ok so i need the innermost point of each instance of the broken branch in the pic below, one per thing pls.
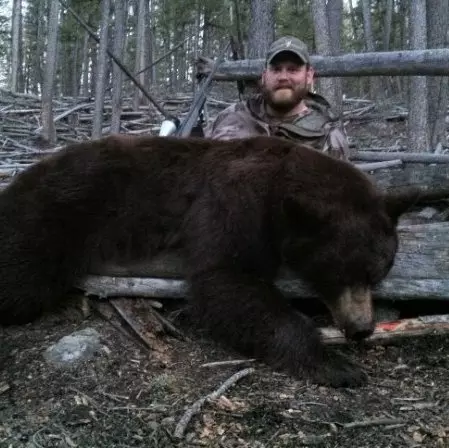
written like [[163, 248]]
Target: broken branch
[[196, 407]]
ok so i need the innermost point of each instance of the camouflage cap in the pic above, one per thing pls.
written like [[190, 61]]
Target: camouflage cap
[[291, 44]]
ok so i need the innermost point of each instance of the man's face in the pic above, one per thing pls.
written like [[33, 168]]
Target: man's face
[[286, 81]]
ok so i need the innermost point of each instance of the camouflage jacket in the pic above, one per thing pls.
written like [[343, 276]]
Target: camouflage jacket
[[317, 126]]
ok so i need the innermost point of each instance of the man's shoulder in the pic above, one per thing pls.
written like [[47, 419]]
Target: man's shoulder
[[235, 121], [319, 106], [239, 106]]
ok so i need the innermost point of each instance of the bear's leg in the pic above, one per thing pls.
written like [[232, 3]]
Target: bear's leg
[[37, 268], [251, 315]]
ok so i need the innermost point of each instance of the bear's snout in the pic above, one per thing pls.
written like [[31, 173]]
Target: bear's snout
[[353, 313], [359, 332]]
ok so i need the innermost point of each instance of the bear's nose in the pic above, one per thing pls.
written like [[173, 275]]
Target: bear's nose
[[357, 333]]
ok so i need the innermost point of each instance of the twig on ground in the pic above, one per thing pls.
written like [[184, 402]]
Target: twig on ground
[[372, 422], [114, 397], [36, 435], [135, 408], [169, 327], [196, 407], [4, 387], [89, 399], [315, 439], [232, 362]]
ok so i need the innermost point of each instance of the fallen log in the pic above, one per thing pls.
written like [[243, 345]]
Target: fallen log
[[410, 157], [151, 287], [421, 270], [378, 165], [430, 62], [422, 175]]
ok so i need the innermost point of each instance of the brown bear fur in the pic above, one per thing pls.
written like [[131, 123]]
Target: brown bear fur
[[239, 209]]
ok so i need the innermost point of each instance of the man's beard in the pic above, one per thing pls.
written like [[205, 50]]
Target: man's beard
[[284, 99]]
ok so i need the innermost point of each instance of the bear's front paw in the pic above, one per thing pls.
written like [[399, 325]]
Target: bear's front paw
[[338, 371]]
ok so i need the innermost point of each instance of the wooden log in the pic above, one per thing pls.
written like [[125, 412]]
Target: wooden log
[[410, 157], [388, 331], [411, 175], [162, 288], [421, 270], [431, 62], [378, 165]]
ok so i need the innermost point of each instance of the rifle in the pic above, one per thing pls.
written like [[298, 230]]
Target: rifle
[[195, 113]]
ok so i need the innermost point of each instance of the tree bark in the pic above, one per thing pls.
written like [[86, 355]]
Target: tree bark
[[387, 24], [324, 48], [261, 28], [418, 105], [117, 74], [101, 70], [335, 17], [48, 132], [85, 65], [392, 63], [141, 45], [437, 37], [15, 45], [375, 88]]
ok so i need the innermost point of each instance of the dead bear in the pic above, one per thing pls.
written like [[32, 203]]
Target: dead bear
[[239, 209]]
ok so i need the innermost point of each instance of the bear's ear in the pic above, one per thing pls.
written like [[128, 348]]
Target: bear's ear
[[398, 203], [303, 214]]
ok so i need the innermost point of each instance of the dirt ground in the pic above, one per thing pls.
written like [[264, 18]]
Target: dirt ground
[[126, 396]]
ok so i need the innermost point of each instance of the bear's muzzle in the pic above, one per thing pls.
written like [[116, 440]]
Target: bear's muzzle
[[353, 313]]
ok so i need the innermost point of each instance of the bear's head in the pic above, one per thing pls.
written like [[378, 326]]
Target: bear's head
[[343, 250]]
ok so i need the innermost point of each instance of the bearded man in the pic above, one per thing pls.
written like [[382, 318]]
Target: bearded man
[[286, 106]]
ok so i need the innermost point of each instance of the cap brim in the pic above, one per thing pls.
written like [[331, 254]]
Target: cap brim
[[283, 50]]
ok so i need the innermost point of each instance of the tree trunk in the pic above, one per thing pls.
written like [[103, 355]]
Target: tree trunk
[[261, 28], [93, 51], [388, 18], [393, 63], [101, 71], [141, 45], [149, 55], [117, 74], [48, 132], [403, 39], [360, 81], [85, 65], [418, 109], [38, 34], [387, 24], [437, 37], [334, 16], [323, 45], [375, 89], [238, 30], [16, 44]]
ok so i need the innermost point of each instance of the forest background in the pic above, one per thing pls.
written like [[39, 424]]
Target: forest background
[[45, 51]]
